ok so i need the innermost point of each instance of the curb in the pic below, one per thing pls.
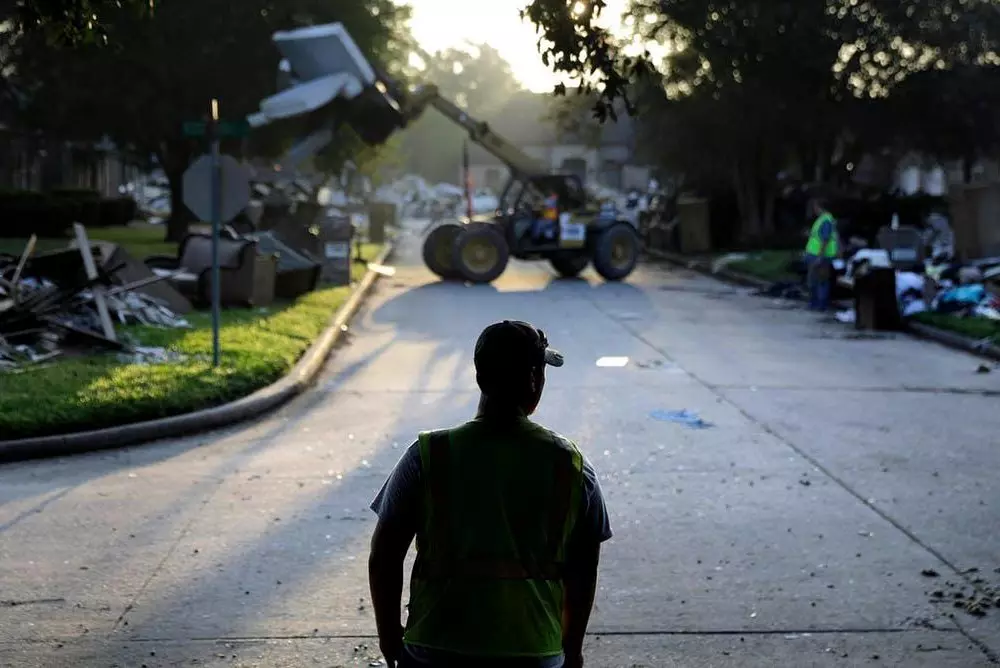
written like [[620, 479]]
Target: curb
[[705, 268], [983, 349], [918, 330], [263, 400]]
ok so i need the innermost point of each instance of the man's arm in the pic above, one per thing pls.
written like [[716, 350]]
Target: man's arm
[[397, 508], [580, 583], [580, 587], [390, 542]]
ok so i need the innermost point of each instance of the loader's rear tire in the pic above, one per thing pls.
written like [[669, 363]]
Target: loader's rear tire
[[616, 252], [569, 265], [439, 247], [480, 254]]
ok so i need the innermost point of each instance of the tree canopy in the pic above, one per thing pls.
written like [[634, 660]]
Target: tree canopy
[[153, 72], [75, 22], [748, 88]]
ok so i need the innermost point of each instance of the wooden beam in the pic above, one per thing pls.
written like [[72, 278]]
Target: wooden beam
[[98, 290]]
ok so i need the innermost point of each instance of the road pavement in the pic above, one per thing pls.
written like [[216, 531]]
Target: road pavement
[[827, 514]]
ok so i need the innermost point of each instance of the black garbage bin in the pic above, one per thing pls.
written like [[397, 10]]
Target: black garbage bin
[[335, 235], [380, 216], [875, 304]]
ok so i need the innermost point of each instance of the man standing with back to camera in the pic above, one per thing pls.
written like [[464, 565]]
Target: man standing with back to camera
[[509, 519]]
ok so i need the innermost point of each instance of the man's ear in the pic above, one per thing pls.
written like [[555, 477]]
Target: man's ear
[[537, 377]]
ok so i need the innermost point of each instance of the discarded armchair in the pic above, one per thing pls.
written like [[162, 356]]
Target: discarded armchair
[[246, 278]]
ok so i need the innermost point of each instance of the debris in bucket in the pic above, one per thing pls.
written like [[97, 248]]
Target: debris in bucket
[[683, 417], [66, 302]]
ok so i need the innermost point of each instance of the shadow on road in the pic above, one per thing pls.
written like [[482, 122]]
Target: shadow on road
[[423, 312]]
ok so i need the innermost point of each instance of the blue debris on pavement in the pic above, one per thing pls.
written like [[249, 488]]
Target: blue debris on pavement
[[684, 417]]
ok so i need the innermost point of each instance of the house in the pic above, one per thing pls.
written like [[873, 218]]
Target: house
[[31, 161], [599, 154]]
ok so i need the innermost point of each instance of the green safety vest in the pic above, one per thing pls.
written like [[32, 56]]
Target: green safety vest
[[815, 243], [491, 548]]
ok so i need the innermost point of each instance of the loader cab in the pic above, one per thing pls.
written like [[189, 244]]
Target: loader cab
[[523, 194]]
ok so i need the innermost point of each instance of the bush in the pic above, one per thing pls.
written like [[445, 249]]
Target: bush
[[118, 211], [49, 215], [75, 193], [25, 213]]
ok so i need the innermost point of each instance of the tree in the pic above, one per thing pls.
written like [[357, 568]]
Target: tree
[[950, 114], [750, 87], [476, 78], [70, 23], [157, 72]]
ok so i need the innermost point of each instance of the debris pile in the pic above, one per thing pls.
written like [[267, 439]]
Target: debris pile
[[940, 285], [65, 302]]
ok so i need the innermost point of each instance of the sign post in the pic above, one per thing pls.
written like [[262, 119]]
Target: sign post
[[213, 137], [227, 194]]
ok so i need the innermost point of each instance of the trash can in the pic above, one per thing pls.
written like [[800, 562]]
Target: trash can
[[875, 305], [695, 234], [380, 216], [335, 234]]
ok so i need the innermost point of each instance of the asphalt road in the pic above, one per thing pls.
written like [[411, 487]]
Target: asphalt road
[[791, 531]]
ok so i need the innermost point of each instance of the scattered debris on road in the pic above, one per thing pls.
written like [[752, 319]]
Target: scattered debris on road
[[684, 417], [974, 596]]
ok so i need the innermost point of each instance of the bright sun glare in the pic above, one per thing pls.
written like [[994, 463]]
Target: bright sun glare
[[443, 24]]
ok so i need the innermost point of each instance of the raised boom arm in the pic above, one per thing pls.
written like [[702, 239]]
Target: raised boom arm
[[516, 160]]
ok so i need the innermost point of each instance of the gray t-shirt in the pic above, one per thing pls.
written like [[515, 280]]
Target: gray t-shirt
[[401, 498]]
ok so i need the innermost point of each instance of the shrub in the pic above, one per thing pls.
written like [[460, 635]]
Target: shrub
[[118, 211], [49, 215], [25, 213]]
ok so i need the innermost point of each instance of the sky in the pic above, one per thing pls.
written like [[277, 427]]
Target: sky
[[440, 24]]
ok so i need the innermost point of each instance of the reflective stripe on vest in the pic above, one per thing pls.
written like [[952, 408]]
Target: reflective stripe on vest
[[815, 243], [493, 588]]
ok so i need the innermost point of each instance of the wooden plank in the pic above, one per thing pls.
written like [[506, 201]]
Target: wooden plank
[[16, 280], [91, 268]]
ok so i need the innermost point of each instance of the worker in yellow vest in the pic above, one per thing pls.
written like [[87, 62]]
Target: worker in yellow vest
[[508, 518], [821, 249], [544, 227]]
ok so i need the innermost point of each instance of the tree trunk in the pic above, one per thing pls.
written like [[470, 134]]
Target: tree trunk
[[746, 185], [967, 164], [770, 195], [174, 161], [809, 161]]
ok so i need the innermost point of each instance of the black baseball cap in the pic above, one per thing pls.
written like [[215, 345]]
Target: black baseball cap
[[513, 345]]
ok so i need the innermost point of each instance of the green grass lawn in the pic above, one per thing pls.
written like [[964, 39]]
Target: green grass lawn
[[258, 347], [974, 328], [770, 265], [140, 240]]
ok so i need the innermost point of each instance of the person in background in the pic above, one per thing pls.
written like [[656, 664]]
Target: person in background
[[544, 227], [509, 521], [821, 249]]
